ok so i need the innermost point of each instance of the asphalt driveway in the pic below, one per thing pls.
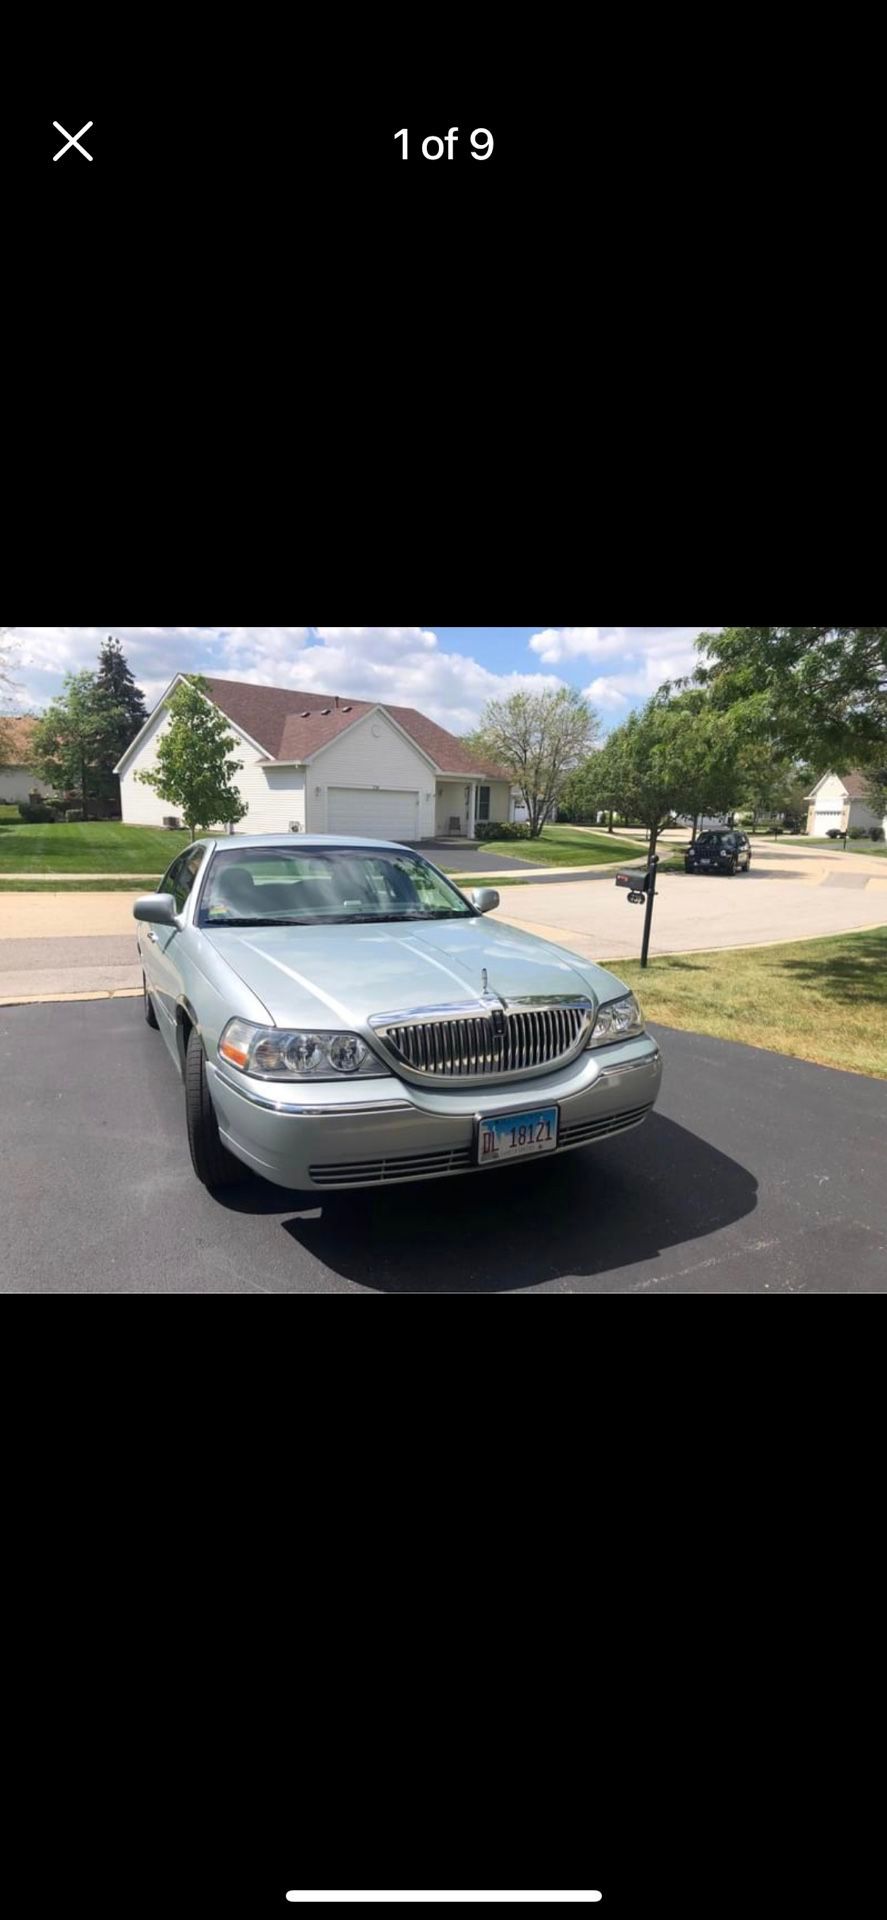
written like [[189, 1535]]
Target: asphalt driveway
[[755, 1174]]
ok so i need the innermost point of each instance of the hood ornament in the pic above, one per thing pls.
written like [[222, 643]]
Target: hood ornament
[[494, 1004]]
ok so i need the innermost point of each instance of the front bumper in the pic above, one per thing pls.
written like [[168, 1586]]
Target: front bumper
[[382, 1131]]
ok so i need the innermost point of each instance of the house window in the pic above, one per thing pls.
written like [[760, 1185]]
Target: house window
[[483, 803]]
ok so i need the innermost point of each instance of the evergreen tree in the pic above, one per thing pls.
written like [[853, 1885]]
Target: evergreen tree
[[117, 693]]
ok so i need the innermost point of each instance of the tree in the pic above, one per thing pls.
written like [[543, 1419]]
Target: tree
[[584, 792], [813, 693], [74, 740], [194, 770], [7, 688], [645, 767], [539, 738], [116, 688], [876, 792], [709, 745]]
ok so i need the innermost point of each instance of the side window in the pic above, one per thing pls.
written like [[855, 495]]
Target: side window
[[170, 881], [180, 877], [189, 867]]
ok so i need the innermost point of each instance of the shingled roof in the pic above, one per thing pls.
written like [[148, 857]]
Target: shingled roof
[[16, 737], [293, 726], [855, 784]]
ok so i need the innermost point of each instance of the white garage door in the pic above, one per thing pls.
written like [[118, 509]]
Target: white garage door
[[383, 814]]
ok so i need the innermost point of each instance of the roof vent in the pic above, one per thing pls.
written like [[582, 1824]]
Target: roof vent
[[346, 709], [326, 709], [306, 713]]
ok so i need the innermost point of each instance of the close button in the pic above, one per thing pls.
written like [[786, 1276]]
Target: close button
[[72, 140]]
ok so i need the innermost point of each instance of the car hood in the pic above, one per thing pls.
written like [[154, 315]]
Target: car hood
[[329, 976]]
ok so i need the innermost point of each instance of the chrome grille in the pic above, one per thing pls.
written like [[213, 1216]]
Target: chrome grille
[[461, 1043], [583, 1130], [405, 1166]]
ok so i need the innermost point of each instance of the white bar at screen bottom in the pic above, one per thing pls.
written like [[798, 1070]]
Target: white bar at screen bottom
[[539, 1898]]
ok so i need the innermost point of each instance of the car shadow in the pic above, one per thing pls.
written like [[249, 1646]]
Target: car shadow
[[598, 1211]]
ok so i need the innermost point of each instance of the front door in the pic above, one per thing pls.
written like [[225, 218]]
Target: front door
[[159, 944]]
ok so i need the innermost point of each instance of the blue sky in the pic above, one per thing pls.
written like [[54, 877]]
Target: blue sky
[[448, 672]]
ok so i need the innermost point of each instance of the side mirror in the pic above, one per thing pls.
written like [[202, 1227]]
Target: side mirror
[[484, 898], [159, 908]]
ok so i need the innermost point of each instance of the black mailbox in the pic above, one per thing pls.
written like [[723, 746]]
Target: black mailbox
[[638, 882]]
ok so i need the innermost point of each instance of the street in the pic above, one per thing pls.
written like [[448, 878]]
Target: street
[[756, 1173]]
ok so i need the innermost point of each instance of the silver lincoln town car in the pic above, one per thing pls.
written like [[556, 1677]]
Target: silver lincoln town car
[[342, 1015]]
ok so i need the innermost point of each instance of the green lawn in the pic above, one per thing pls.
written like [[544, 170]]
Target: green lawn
[[853, 846], [9, 813], [820, 1000], [134, 885], [564, 847], [88, 846]]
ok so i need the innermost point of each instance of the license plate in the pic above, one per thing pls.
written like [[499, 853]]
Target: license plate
[[705, 863], [510, 1136]]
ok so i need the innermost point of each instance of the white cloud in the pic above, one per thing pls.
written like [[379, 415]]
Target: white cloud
[[403, 665], [406, 666]]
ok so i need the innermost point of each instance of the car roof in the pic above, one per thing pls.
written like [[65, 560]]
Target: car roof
[[297, 841]]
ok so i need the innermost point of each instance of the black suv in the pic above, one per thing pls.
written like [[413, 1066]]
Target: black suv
[[723, 852]]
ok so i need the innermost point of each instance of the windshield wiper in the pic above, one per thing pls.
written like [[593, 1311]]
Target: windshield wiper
[[442, 913], [260, 920]]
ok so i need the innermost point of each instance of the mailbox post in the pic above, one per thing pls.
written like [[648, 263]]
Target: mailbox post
[[642, 892]]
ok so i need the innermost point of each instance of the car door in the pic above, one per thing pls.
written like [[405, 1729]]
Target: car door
[[163, 943]]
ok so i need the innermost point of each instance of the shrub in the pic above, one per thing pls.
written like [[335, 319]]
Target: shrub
[[36, 815], [876, 833], [856, 833], [73, 813], [833, 833], [502, 830]]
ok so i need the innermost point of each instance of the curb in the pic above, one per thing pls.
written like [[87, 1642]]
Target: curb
[[96, 993]]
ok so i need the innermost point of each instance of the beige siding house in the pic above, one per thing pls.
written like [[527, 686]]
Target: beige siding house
[[18, 777], [315, 763], [838, 801]]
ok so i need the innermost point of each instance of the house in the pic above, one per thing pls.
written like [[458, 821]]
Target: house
[[18, 777], [320, 763], [838, 801]]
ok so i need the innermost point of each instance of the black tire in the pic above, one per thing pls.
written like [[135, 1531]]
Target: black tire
[[212, 1162], [147, 1005]]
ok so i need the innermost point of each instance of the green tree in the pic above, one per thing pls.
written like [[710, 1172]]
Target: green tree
[[117, 690], [876, 792], [647, 768], [539, 738], [584, 791], [708, 745], [194, 769], [818, 694], [74, 740]]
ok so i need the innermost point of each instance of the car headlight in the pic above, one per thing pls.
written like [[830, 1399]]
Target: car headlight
[[617, 1020], [282, 1053]]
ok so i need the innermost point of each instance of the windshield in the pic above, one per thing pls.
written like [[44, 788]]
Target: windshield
[[713, 839], [257, 886]]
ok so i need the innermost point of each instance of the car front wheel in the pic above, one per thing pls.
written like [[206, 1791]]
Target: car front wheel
[[150, 1015], [212, 1162]]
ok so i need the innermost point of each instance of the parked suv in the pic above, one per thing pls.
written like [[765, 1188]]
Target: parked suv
[[726, 852]]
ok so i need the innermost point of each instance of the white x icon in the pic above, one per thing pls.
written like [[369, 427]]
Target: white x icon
[[72, 140]]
